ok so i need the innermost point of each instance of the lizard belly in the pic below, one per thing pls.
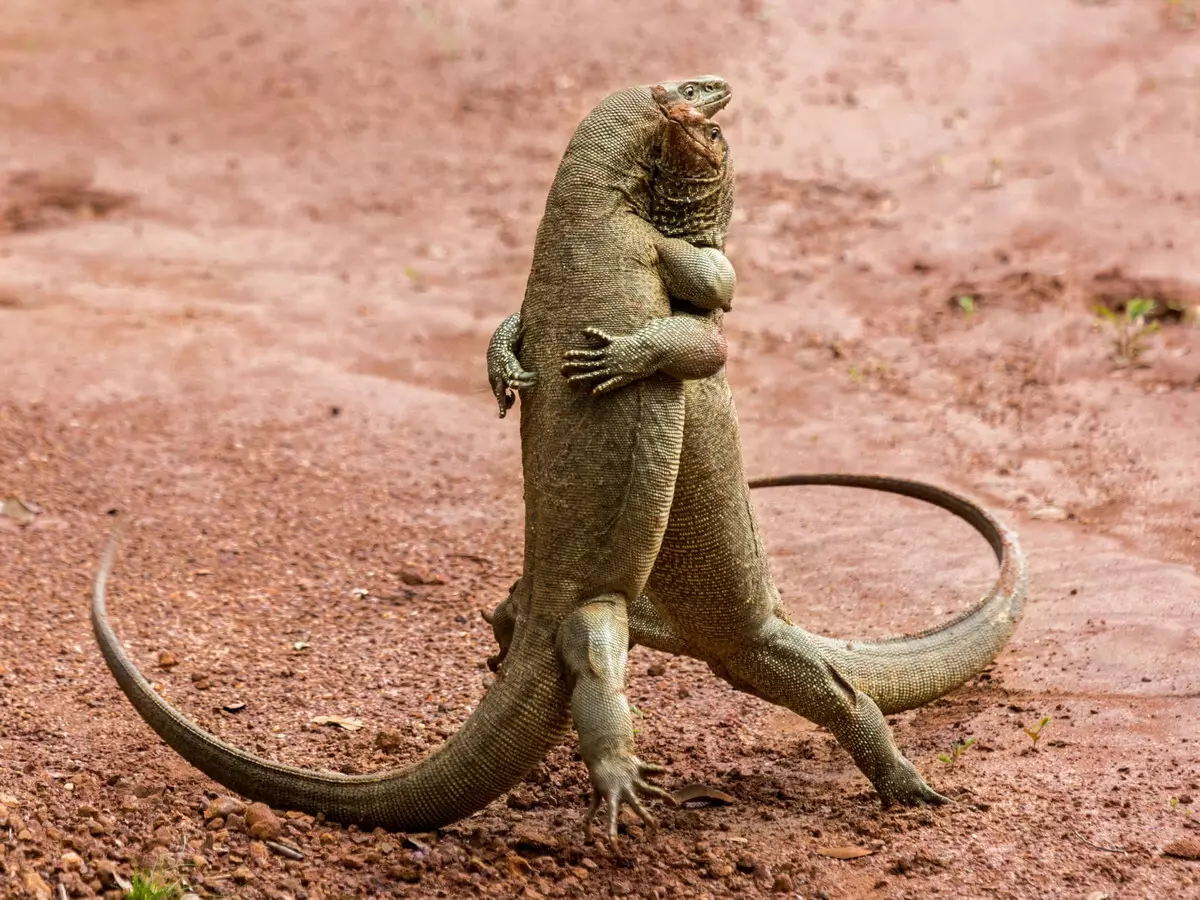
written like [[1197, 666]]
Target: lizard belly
[[599, 471], [711, 578]]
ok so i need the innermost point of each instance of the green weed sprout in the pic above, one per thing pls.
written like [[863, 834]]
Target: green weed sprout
[[957, 749], [1036, 731]]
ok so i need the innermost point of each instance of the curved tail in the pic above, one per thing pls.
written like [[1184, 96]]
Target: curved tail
[[522, 716], [905, 672]]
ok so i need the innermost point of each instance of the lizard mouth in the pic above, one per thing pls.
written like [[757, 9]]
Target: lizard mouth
[[718, 103]]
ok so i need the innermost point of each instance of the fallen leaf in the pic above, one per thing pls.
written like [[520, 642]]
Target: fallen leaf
[[703, 795], [235, 706], [301, 645], [15, 509], [1049, 514], [1184, 848], [348, 724], [844, 852]]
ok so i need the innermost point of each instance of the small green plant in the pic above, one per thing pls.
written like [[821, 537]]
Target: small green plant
[[1036, 731], [153, 885], [957, 749], [1130, 329], [966, 303]]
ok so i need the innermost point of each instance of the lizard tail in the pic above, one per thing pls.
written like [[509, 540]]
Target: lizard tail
[[522, 716], [909, 671]]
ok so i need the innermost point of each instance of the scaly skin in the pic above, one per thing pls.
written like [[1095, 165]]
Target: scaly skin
[[599, 478], [711, 595]]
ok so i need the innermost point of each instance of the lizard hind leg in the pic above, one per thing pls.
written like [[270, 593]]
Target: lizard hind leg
[[783, 665], [593, 643]]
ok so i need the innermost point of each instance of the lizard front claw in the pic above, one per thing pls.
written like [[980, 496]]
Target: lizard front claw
[[616, 362], [504, 369], [623, 780]]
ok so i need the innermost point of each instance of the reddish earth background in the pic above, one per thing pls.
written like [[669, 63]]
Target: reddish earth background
[[251, 256]]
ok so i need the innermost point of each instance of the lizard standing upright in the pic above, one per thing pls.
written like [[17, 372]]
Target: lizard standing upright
[[599, 478], [711, 595]]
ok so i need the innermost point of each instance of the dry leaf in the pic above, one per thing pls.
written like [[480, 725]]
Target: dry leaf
[[15, 509], [703, 794], [301, 645], [348, 724], [844, 852]]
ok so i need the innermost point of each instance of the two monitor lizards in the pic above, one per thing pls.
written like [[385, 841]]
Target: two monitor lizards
[[639, 526]]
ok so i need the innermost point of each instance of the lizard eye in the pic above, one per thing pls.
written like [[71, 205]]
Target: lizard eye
[[714, 133], [689, 91]]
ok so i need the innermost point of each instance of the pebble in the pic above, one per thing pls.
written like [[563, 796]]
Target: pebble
[[242, 875], [234, 822], [167, 660], [36, 886], [261, 823], [223, 807], [71, 861], [782, 885]]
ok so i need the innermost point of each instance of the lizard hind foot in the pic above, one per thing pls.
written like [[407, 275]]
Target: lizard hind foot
[[623, 781], [904, 786]]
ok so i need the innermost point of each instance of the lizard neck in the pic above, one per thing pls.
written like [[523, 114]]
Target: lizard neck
[[694, 208], [608, 163]]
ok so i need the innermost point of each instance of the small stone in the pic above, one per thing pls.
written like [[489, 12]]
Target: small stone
[[746, 863], [622, 888], [518, 867], [71, 861], [417, 575], [1184, 848], [327, 837], [235, 823], [408, 872], [520, 800], [262, 823], [163, 837], [36, 886], [656, 670], [352, 862], [129, 803], [106, 871], [782, 885], [533, 840], [258, 852], [242, 875], [389, 741], [167, 660]]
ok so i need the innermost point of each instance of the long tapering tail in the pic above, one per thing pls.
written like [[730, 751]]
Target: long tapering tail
[[909, 671], [521, 717]]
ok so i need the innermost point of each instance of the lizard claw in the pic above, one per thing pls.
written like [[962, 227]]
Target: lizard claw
[[625, 782]]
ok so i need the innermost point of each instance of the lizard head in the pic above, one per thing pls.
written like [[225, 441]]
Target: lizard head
[[707, 94], [693, 146]]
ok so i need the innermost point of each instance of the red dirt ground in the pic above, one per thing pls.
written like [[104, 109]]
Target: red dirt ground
[[250, 256]]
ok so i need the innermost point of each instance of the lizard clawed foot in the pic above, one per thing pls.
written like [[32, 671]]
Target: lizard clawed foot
[[618, 361], [905, 787], [512, 378], [622, 781]]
